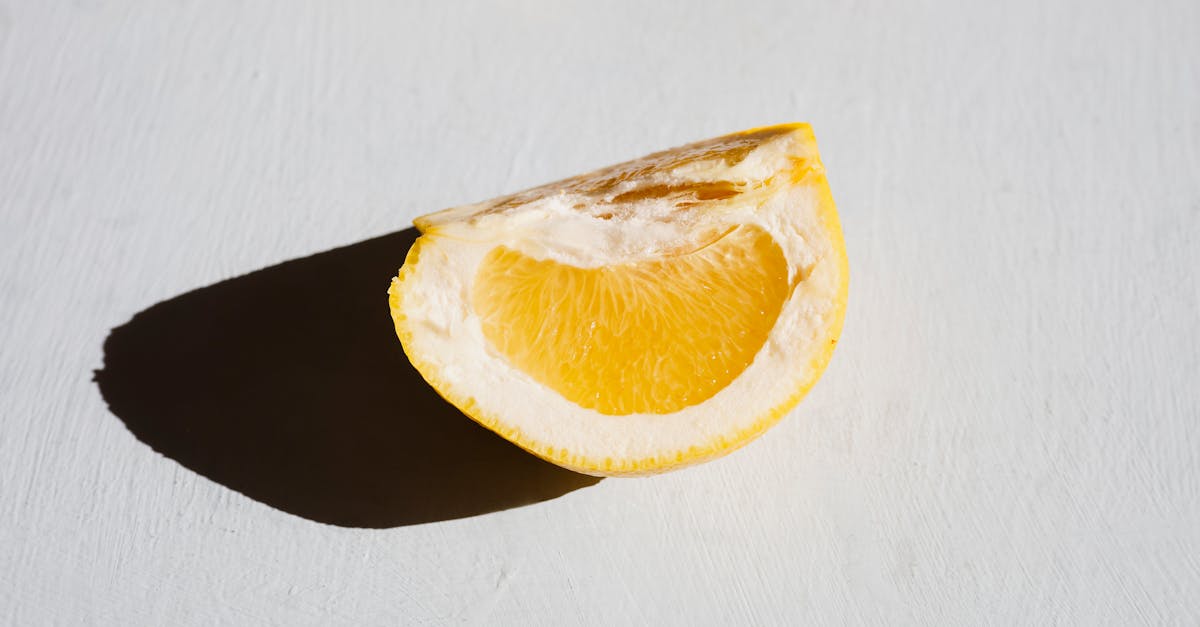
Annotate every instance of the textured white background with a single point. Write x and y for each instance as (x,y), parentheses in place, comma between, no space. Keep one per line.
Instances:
(1008,433)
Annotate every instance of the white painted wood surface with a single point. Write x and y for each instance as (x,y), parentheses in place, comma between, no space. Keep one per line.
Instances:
(1008,433)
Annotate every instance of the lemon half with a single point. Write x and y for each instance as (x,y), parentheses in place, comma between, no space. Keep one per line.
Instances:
(639,318)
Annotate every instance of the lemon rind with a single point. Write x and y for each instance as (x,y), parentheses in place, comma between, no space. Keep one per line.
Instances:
(715,447)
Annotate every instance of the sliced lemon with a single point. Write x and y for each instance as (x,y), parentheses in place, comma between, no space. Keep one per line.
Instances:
(639,318)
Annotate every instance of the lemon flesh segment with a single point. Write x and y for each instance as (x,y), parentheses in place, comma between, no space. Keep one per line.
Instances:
(652,336)
(640,318)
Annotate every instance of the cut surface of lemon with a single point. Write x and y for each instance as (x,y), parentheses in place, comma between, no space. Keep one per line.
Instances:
(639,318)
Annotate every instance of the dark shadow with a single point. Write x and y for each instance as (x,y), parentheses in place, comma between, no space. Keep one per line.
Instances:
(288,385)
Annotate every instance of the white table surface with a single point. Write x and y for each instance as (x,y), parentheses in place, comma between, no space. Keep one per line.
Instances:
(1008,433)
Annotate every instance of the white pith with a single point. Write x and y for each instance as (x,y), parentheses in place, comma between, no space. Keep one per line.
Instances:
(447,336)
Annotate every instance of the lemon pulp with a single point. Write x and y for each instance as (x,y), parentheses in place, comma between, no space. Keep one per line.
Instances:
(650,336)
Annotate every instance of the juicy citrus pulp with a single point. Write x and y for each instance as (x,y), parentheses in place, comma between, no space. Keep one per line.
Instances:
(651,336)
(642,317)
